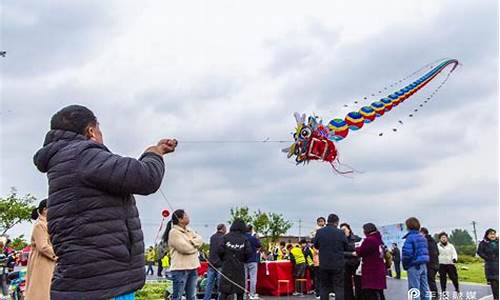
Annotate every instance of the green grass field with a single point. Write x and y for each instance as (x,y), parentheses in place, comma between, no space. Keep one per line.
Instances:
(474,272)
(152,291)
(470,272)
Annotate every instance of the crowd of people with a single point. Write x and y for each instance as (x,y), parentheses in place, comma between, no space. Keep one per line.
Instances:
(338,261)
(95,249)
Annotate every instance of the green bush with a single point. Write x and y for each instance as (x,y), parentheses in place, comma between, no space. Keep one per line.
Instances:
(468,259)
(466,250)
(152,291)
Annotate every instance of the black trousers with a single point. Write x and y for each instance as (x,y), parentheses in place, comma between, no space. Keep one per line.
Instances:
(230,296)
(397,266)
(494,288)
(431,279)
(451,271)
(349,285)
(331,281)
(358,292)
(160,268)
(312,274)
(369,294)
(317,283)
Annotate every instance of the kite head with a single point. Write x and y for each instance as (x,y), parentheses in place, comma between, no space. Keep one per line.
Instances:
(312,141)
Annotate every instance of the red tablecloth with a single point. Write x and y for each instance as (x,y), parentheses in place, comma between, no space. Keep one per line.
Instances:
(270,272)
(268,275)
(203,268)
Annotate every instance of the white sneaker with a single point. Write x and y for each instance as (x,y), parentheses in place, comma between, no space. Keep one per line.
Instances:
(254,297)
(332,295)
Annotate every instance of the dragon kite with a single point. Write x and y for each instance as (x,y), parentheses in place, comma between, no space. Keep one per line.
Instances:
(314,140)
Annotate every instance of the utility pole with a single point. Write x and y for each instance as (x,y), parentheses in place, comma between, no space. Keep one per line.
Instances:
(300,229)
(474,230)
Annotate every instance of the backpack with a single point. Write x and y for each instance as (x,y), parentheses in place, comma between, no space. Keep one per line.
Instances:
(387,258)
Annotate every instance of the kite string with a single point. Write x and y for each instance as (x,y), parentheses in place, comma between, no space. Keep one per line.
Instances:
(368,98)
(415,110)
(159,230)
(267,140)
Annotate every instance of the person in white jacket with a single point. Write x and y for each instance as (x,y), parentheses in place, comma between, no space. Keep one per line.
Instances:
(184,245)
(447,259)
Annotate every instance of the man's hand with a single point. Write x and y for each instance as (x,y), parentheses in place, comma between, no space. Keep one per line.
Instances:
(163,147)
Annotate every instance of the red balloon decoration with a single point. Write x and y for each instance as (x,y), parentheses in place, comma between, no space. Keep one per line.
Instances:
(165,213)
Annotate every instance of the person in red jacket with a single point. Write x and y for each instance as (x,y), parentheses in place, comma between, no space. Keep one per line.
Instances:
(373,282)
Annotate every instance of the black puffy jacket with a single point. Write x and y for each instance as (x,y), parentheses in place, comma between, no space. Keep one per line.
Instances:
(433,253)
(488,250)
(92,217)
(351,261)
(234,252)
(216,241)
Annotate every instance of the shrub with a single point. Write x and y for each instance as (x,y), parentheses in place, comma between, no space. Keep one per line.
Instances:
(468,259)
(152,291)
(469,250)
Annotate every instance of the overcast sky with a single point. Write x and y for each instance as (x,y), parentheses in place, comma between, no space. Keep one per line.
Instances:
(227,70)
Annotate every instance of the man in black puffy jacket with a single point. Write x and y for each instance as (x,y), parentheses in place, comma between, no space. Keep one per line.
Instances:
(93,221)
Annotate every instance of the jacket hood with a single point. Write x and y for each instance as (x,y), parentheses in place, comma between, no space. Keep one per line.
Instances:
(238,226)
(54,141)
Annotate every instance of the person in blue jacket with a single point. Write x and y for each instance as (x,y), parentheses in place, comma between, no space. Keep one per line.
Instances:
(415,258)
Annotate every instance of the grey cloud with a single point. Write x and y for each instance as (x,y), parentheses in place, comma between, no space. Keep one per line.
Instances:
(41,37)
(368,66)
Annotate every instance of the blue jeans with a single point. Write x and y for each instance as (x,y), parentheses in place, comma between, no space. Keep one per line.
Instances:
(251,271)
(212,277)
(417,280)
(184,280)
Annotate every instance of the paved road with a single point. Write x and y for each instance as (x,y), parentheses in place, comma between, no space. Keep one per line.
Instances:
(398,290)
